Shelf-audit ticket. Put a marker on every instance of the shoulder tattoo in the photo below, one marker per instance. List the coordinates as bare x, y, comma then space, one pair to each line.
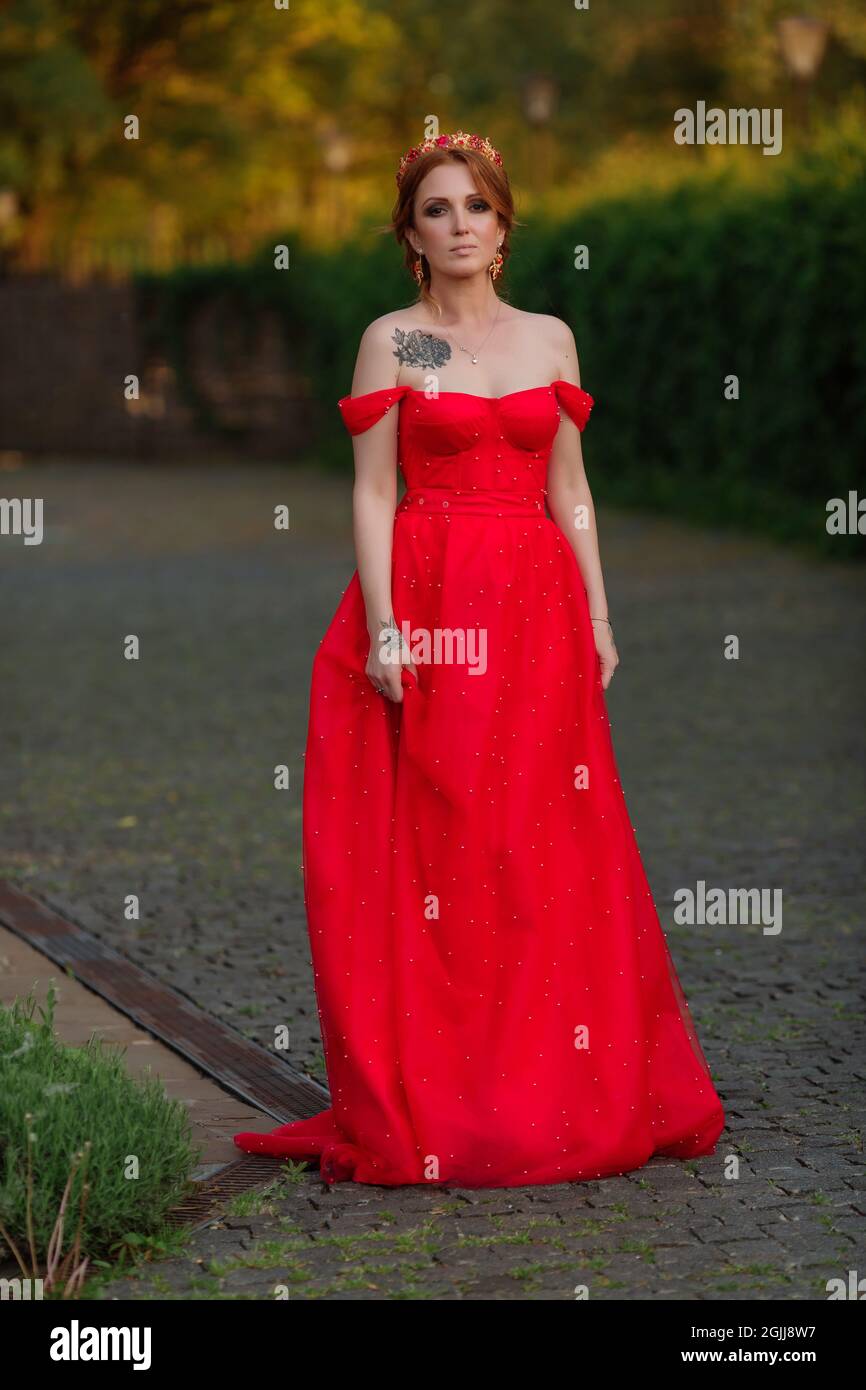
417, 349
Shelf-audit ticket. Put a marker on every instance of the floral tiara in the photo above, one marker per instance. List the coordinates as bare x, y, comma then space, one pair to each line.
459, 140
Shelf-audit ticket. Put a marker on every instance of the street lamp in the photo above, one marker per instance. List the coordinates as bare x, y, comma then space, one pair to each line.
338, 152
336, 157
803, 41
539, 100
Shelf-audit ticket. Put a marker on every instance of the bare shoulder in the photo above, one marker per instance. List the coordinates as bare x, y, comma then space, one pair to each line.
554, 337
376, 366
561, 342
559, 335
383, 327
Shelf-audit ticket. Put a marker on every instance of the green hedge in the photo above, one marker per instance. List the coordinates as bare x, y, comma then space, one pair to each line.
683, 288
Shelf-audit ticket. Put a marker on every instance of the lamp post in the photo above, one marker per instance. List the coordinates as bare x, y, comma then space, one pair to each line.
803, 41
539, 101
336, 156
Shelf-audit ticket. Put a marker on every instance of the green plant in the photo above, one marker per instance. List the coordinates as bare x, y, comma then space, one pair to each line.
81, 1143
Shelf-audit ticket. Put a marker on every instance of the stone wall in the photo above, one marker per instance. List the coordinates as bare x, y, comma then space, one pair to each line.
65, 351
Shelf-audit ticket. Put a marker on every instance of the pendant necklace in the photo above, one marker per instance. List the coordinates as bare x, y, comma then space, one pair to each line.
474, 355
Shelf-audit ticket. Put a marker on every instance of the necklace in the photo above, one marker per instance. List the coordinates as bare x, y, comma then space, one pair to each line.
468, 351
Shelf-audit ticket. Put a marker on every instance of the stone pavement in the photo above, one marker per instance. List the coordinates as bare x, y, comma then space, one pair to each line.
156, 777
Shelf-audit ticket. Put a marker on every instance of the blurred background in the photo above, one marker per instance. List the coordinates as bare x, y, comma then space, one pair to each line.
169, 377
258, 126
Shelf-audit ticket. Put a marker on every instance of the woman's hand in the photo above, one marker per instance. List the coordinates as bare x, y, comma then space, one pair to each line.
606, 648
389, 657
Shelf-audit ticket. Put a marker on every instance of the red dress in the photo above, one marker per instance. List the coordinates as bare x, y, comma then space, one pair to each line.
497, 999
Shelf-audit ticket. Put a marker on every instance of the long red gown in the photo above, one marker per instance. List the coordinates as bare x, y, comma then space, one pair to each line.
497, 999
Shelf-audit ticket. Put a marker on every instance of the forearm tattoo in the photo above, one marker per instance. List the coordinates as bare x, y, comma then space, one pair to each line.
417, 349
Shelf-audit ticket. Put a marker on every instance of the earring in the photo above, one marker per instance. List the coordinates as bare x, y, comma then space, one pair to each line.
496, 264
418, 269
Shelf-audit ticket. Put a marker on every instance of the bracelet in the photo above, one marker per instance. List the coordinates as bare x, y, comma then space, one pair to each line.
609, 625
392, 643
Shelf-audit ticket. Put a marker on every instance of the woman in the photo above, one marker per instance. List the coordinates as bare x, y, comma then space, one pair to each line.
497, 999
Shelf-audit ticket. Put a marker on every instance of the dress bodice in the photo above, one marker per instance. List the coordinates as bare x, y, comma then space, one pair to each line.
470, 443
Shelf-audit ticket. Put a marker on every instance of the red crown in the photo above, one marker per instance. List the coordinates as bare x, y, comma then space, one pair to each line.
459, 140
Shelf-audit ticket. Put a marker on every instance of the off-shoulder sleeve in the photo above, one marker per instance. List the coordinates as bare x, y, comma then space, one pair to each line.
360, 412
577, 402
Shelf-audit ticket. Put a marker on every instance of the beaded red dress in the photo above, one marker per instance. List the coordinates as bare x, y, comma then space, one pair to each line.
497, 999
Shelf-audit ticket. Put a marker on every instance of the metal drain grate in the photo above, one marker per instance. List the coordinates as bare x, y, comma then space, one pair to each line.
256, 1170
239, 1065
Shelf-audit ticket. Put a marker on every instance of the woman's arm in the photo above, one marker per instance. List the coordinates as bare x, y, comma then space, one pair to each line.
374, 500
571, 506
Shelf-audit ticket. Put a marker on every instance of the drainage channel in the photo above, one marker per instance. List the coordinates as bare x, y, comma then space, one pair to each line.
200, 1207
237, 1064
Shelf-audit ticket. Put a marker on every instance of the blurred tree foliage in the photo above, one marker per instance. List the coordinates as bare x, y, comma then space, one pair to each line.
253, 116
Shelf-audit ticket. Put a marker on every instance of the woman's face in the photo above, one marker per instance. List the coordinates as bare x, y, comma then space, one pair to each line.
455, 225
